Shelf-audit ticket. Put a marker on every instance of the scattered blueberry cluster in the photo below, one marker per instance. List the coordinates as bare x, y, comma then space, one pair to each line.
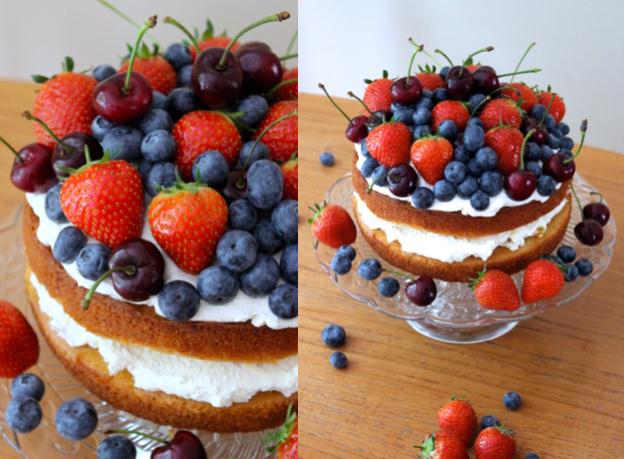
565, 257
334, 336
512, 400
327, 159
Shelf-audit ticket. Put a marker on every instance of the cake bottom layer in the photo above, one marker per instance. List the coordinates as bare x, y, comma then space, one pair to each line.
502, 258
264, 410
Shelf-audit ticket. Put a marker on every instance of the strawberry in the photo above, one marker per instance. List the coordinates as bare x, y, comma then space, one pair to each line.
19, 348
557, 109
290, 171
495, 443
332, 225
64, 103
450, 110
377, 94
494, 289
520, 93
289, 91
429, 78
500, 111
199, 131
430, 155
542, 279
389, 143
158, 72
457, 418
282, 137
506, 141
443, 446
187, 220
284, 442
105, 200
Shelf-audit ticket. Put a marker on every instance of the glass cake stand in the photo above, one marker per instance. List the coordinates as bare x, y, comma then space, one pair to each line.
61, 386
455, 316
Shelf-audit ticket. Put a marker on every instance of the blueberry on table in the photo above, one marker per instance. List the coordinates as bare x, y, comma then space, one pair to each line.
267, 237
68, 244
333, 335
116, 447
283, 301
370, 269
237, 250
27, 385
327, 159
289, 264
161, 175
285, 219
489, 421
261, 278
53, 205
338, 360
531, 456
102, 72
265, 184
179, 301
211, 168
155, 120
584, 266
346, 251
512, 400
217, 285
341, 264
23, 414
388, 287
123, 142
567, 253
178, 55
253, 109
76, 419
242, 215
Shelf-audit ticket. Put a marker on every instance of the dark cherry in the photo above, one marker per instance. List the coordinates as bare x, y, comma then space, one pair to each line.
183, 445
253, 46
589, 232
217, 87
357, 130
597, 211
540, 135
236, 187
559, 167
402, 180
406, 92
421, 291
262, 70
32, 168
459, 82
519, 185
485, 80
146, 279
71, 153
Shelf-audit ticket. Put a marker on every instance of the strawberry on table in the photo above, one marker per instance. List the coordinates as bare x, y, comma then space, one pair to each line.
494, 289
443, 446
290, 171
19, 348
430, 155
520, 93
285, 442
158, 72
542, 279
495, 442
557, 109
282, 137
377, 95
332, 225
389, 143
501, 111
506, 141
457, 418
450, 110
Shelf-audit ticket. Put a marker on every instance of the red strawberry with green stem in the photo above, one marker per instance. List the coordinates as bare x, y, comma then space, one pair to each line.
543, 279
501, 111
495, 289
457, 418
285, 441
389, 143
521, 94
554, 103
332, 225
377, 95
279, 131
506, 141
450, 110
443, 445
290, 171
495, 442
430, 155
158, 72
19, 347
288, 89
429, 78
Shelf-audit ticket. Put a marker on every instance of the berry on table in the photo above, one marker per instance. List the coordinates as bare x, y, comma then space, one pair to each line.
68, 244
158, 145
285, 219
53, 207
267, 238
92, 260
370, 269
76, 419
338, 360
211, 168
327, 159
531, 456
341, 264
23, 414
567, 253
333, 335
161, 175
495, 442
388, 287
237, 250
27, 385
512, 400
178, 300
261, 278
283, 301
242, 215
458, 418
116, 447
584, 266
217, 285
333, 226
289, 264
253, 109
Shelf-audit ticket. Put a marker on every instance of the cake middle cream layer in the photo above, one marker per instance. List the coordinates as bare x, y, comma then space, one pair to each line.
449, 248
219, 383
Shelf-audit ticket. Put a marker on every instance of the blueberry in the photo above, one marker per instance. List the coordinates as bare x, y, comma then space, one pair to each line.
565, 152
564, 128
567, 143
584, 266
211, 168
364, 149
427, 94
237, 250
370, 269
487, 159
567, 253
557, 133
532, 152
550, 122
571, 273
473, 168
100, 127
546, 151
178, 55
421, 131
467, 187
257, 150
461, 154
388, 287
512, 400
253, 108
552, 141
369, 165
538, 111
338, 360
475, 101
546, 185
285, 219
155, 120
123, 142
533, 166
489, 421
161, 175
346, 251
68, 243
144, 167
422, 198
180, 101
327, 159
531, 456
475, 122
264, 184
116, 447
267, 237
158, 146
341, 264
27, 385
92, 260
243, 215
422, 116
455, 172
402, 114
159, 100
217, 285
184, 77
76, 419
261, 278
178, 300
283, 301
380, 176
23, 414
53, 204
333, 335
474, 137
447, 129
480, 200
491, 182
426, 103
439, 95
104, 71
289, 266
444, 191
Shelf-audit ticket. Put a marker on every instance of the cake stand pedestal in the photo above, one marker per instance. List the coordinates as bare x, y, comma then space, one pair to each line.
461, 336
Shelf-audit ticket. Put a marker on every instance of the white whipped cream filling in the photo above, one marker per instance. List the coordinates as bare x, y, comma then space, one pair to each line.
242, 308
219, 383
456, 204
450, 248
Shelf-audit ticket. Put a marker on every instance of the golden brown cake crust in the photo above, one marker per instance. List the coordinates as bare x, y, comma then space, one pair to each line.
131, 323
453, 223
265, 410
502, 258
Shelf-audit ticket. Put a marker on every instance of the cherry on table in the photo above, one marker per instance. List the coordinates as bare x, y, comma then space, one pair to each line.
597, 211
406, 90
32, 168
520, 184
421, 291
560, 167
485, 80
589, 232
183, 445
402, 180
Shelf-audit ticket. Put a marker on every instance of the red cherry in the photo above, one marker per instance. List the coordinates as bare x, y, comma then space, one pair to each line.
217, 87
357, 129
262, 69
406, 92
560, 167
540, 135
32, 168
485, 80
459, 82
422, 291
589, 232
519, 185
70, 152
184, 445
597, 211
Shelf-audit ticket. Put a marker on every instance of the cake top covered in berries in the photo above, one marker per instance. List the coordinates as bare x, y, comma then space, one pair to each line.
172, 180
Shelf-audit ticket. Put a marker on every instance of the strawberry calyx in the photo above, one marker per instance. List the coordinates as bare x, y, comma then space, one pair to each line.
182, 186
504, 430
144, 51
317, 210
427, 69
384, 76
273, 440
474, 282
67, 66
427, 448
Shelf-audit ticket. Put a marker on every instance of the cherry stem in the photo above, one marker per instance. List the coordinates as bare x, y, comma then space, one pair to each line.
13, 150
519, 72
185, 31
286, 57
291, 43
149, 24
578, 201
351, 94
550, 103
580, 146
487, 49
129, 270
524, 142
443, 54
281, 84
424, 51
125, 17
597, 193
273, 18
136, 432
29, 116
264, 131
411, 63
526, 51
331, 99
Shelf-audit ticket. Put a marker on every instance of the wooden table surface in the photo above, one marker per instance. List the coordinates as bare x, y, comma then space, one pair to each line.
568, 364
